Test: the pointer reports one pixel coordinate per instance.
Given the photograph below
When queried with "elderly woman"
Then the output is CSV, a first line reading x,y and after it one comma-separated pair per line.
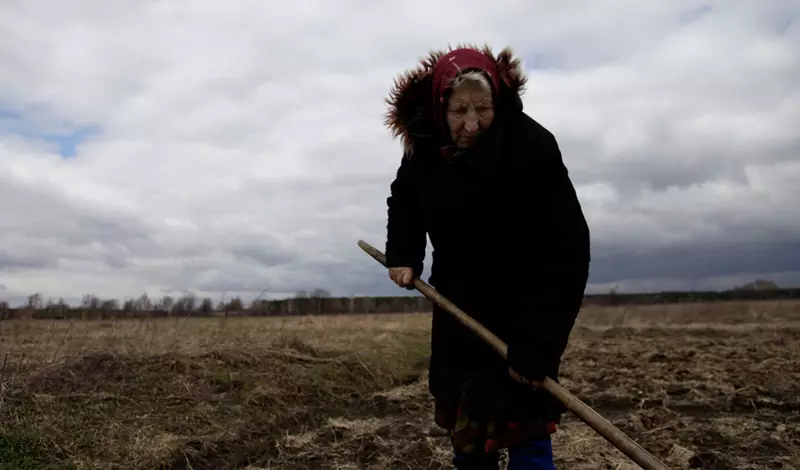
x,y
510,243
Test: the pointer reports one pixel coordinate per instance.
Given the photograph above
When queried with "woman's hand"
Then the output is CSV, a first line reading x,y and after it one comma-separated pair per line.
x,y
403,276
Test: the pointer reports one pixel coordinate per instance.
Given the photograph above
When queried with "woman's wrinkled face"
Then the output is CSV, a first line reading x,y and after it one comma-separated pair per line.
x,y
470,111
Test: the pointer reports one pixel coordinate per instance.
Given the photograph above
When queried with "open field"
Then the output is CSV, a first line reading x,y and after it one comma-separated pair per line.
x,y
714,386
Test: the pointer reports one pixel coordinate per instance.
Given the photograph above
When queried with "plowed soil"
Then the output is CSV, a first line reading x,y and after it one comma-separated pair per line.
x,y
712,386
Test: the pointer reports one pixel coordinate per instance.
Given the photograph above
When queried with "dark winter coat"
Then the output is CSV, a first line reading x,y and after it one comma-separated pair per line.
x,y
510,241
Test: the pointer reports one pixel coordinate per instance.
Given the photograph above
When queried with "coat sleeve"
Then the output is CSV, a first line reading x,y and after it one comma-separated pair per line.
x,y
405,231
553,237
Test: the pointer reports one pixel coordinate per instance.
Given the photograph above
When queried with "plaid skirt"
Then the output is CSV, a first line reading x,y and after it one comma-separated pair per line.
x,y
469,434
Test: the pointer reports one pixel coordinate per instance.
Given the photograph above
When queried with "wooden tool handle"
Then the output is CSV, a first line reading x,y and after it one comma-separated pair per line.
x,y
589,416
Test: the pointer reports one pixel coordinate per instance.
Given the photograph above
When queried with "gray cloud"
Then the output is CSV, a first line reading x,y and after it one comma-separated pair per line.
x,y
45,224
10,261
255,253
239,160
697,262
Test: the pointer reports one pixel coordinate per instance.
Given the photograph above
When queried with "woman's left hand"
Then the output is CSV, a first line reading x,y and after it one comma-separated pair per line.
x,y
520,379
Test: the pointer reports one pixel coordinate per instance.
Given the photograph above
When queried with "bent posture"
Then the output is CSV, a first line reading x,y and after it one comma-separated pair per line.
x,y
510,242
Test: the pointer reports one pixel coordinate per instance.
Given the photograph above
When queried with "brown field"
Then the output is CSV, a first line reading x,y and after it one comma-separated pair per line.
x,y
713,386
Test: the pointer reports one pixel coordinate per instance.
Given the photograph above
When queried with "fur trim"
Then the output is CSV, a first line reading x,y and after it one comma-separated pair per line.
x,y
410,115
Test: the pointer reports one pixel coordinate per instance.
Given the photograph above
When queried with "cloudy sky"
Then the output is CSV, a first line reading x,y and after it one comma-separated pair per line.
x,y
175,145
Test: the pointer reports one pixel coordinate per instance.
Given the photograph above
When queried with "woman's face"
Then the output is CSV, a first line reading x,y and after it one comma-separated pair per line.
x,y
470,111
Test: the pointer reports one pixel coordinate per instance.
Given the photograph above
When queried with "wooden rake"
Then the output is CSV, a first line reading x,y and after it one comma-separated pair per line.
x,y
602,426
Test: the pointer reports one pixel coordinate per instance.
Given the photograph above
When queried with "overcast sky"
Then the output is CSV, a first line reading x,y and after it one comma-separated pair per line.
x,y
237,146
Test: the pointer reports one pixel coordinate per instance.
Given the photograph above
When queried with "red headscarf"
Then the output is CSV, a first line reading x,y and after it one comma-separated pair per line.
x,y
453,63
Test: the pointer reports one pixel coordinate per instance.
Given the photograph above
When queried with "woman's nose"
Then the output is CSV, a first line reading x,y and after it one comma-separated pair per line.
x,y
471,121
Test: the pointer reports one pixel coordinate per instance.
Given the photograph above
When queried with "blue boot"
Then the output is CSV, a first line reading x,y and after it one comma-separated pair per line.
x,y
535,455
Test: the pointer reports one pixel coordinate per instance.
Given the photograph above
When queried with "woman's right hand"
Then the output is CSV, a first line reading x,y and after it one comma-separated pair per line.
x,y
402,276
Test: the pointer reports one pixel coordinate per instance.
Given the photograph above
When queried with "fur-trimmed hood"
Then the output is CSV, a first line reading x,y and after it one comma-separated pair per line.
x,y
411,103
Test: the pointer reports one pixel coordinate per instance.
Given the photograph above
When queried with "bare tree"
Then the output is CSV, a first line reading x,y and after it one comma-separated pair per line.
x,y
234,305
143,304
35,301
207,306
185,305
129,307
167,302
758,284
613,295
258,306
109,305
319,294
90,302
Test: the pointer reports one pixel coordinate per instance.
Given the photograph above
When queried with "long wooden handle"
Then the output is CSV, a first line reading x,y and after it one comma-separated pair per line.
x,y
603,427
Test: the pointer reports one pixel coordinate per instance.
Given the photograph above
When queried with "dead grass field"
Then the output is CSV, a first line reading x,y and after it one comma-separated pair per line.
x,y
713,386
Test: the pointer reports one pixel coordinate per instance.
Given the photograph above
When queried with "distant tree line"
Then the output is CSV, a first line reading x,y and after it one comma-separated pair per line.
x,y
319,302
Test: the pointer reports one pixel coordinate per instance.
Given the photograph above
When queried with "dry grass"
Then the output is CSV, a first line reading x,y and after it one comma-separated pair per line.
x,y
711,386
